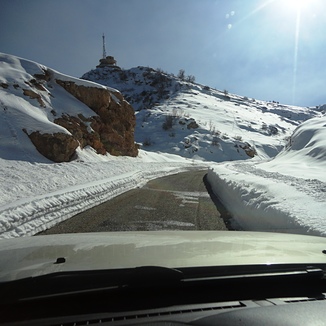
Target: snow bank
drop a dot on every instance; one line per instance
(259, 202)
(46, 194)
(305, 154)
(286, 194)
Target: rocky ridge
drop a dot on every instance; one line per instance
(179, 116)
(112, 130)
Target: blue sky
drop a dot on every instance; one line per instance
(265, 49)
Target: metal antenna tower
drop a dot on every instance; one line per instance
(104, 52)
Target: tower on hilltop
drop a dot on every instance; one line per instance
(106, 61)
(104, 52)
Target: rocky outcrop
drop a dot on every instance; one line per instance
(79, 128)
(112, 130)
(192, 125)
(33, 95)
(250, 151)
(57, 147)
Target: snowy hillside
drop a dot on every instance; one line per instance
(27, 106)
(195, 121)
(177, 122)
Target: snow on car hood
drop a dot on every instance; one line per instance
(39, 255)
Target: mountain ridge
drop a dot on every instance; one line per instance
(165, 104)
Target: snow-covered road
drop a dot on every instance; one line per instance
(31, 205)
(175, 202)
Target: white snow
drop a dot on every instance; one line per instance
(285, 194)
(227, 122)
(35, 196)
(281, 189)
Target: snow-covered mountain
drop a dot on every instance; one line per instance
(278, 186)
(180, 117)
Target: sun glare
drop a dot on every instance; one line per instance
(297, 4)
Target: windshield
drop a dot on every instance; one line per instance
(143, 115)
(162, 162)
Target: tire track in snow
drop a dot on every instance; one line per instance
(33, 215)
(312, 187)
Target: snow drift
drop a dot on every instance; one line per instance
(286, 194)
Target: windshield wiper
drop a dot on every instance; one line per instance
(142, 278)
(308, 273)
(153, 275)
(83, 282)
(152, 287)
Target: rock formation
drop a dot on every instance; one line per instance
(109, 130)
(57, 147)
(113, 127)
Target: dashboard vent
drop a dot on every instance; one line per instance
(154, 313)
(296, 300)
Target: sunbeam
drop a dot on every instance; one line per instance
(296, 51)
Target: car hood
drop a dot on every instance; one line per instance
(39, 255)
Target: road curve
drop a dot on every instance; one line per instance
(182, 201)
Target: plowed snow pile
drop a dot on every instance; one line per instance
(286, 194)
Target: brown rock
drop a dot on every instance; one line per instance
(113, 127)
(46, 76)
(78, 128)
(250, 151)
(192, 125)
(57, 147)
(33, 95)
(37, 85)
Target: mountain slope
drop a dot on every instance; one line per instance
(195, 121)
(59, 115)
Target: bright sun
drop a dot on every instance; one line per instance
(297, 4)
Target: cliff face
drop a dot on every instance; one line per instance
(113, 128)
(58, 147)
(59, 113)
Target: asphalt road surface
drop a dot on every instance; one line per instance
(182, 201)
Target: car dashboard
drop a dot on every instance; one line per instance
(287, 295)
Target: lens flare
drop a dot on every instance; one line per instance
(297, 4)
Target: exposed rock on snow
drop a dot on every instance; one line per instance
(57, 147)
(114, 126)
(34, 95)
(60, 113)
